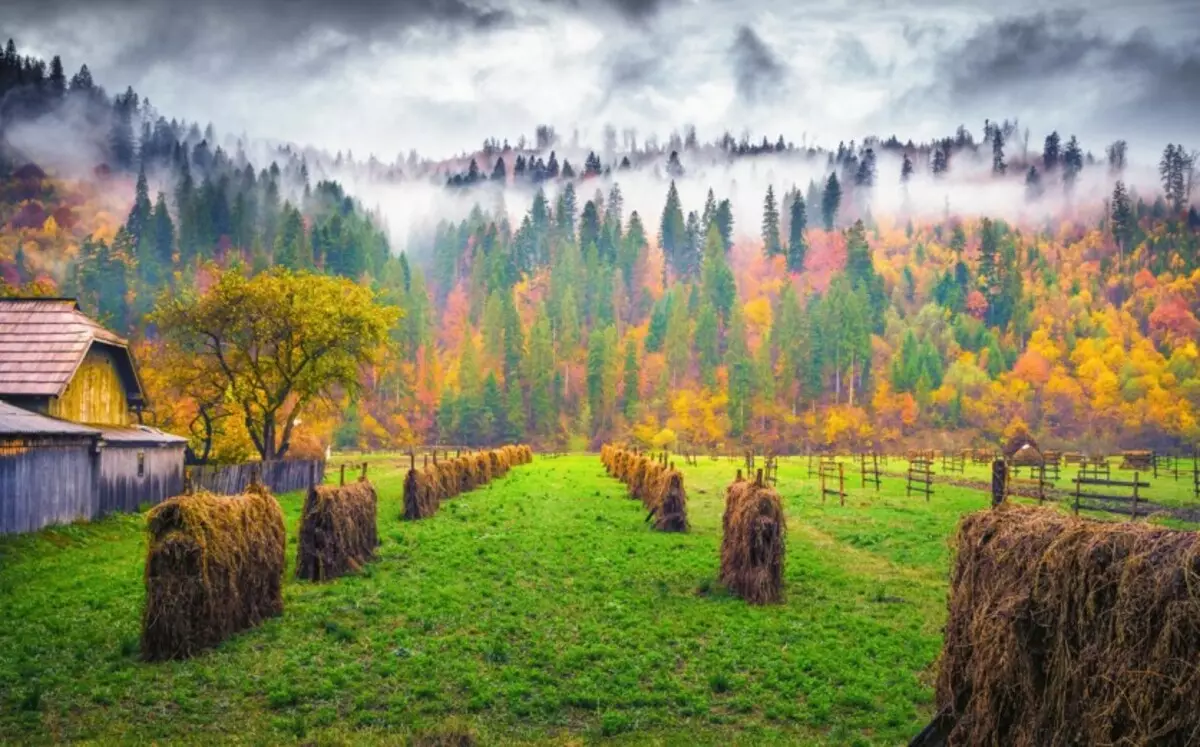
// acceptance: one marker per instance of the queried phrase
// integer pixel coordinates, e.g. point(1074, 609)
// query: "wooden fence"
point(1095, 469)
point(1052, 462)
point(868, 467)
point(281, 477)
point(953, 463)
point(831, 474)
point(1112, 502)
point(1035, 483)
point(920, 477)
point(1196, 475)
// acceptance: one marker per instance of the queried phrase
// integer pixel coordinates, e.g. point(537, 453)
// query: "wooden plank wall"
point(281, 476)
point(120, 487)
point(47, 484)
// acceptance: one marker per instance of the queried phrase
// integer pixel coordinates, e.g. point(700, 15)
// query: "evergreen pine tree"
point(631, 381)
point(830, 201)
point(138, 223)
point(673, 232)
point(906, 169)
point(707, 341)
point(717, 281)
point(998, 165)
point(797, 243)
point(1033, 184)
point(1050, 152)
point(772, 242)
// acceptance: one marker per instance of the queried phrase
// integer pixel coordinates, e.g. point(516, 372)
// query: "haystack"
point(648, 489)
point(337, 530)
point(499, 466)
point(1064, 631)
point(214, 567)
point(483, 468)
point(1020, 440)
point(670, 507)
point(468, 477)
point(752, 546)
point(420, 500)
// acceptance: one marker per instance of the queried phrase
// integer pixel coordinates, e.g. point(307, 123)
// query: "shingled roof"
point(42, 343)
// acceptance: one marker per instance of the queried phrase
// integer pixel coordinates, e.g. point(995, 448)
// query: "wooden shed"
point(71, 444)
point(56, 360)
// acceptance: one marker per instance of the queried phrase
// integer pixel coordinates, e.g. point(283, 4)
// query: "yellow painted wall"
point(95, 395)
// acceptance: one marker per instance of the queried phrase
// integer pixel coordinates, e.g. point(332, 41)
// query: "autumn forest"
point(553, 302)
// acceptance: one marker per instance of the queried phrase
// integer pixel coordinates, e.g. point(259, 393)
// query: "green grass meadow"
point(540, 609)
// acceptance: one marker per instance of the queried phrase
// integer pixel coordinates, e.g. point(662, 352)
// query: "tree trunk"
point(853, 362)
point(837, 378)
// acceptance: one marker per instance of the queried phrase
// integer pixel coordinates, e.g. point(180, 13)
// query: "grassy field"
point(540, 609)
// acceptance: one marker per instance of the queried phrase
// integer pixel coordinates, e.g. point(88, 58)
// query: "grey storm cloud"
point(852, 55)
point(440, 75)
point(291, 35)
point(1102, 76)
point(755, 66)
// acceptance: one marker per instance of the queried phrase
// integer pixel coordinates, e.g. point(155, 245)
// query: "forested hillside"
point(835, 319)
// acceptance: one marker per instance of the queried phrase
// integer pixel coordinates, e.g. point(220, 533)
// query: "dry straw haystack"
point(214, 567)
point(752, 544)
point(426, 488)
point(337, 530)
point(420, 501)
point(1064, 631)
point(651, 481)
point(670, 515)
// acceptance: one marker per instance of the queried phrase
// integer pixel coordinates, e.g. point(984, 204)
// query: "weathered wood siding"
point(95, 394)
point(121, 489)
point(47, 483)
point(281, 477)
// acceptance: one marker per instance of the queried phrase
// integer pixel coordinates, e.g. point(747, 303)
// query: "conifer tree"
point(830, 201)
point(672, 235)
point(772, 242)
point(631, 381)
point(797, 243)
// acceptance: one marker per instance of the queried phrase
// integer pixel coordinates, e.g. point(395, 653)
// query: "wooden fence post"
point(363, 477)
point(342, 480)
point(1133, 510)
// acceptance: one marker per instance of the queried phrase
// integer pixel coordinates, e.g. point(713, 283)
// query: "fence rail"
point(281, 477)
point(868, 466)
point(1112, 502)
point(831, 474)
point(953, 463)
point(920, 478)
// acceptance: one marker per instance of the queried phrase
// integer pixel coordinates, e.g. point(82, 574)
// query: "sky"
point(440, 76)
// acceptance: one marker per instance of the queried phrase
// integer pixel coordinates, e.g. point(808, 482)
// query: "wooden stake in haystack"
point(753, 541)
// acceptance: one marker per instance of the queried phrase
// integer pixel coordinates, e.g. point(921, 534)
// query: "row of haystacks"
point(1065, 631)
point(426, 488)
point(214, 567)
point(654, 482)
point(753, 536)
point(338, 533)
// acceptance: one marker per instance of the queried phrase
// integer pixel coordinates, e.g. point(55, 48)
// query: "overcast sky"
point(441, 75)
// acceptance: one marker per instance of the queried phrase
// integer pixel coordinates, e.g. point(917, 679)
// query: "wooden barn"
point(71, 444)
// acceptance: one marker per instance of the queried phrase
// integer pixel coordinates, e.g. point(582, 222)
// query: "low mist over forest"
point(661, 222)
